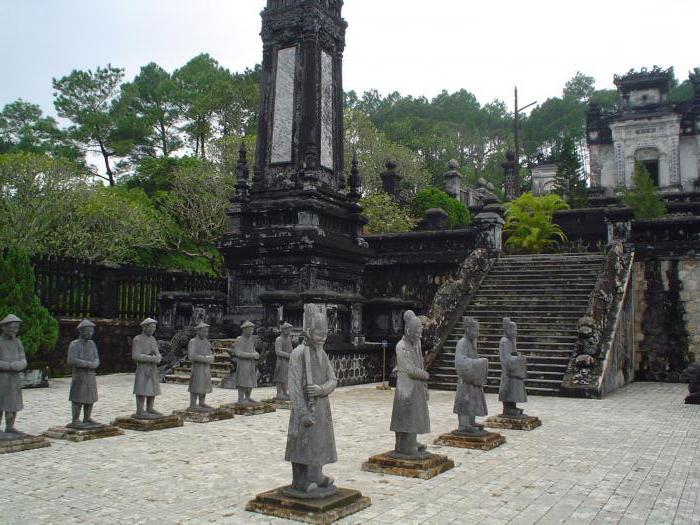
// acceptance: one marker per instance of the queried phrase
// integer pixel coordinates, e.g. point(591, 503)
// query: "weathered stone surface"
point(204, 416)
point(10, 443)
point(249, 410)
point(147, 425)
point(316, 511)
point(85, 434)
point(528, 423)
point(459, 440)
point(427, 468)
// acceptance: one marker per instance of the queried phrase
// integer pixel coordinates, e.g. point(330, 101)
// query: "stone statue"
point(12, 362)
point(83, 357)
point(410, 412)
point(310, 439)
point(513, 373)
point(472, 372)
point(246, 367)
point(201, 356)
point(283, 350)
point(146, 383)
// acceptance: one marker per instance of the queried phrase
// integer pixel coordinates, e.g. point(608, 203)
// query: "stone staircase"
point(546, 295)
point(219, 370)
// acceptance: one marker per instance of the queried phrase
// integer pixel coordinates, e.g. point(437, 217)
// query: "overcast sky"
point(411, 46)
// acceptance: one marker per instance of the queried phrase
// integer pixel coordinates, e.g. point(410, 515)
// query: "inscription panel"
point(326, 110)
point(283, 116)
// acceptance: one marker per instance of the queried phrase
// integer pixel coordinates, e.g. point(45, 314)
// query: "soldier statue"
point(471, 372)
point(310, 438)
point(513, 373)
point(147, 381)
point(410, 415)
point(84, 359)
point(283, 351)
point(12, 362)
point(201, 356)
point(246, 367)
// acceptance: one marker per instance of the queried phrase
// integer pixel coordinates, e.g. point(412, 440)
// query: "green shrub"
point(384, 215)
point(644, 198)
point(458, 214)
point(17, 296)
point(529, 223)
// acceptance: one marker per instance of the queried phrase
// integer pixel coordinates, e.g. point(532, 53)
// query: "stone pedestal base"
point(204, 416)
point(411, 468)
point(147, 425)
point(19, 442)
point(249, 410)
point(316, 511)
point(83, 434)
point(456, 439)
point(279, 404)
point(527, 423)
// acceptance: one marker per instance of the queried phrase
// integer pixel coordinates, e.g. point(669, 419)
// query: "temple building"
point(646, 128)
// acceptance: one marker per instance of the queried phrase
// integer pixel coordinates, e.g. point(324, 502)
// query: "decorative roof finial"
point(355, 180)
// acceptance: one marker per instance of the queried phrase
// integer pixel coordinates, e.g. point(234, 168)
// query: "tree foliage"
point(644, 198)
point(18, 296)
point(570, 180)
point(384, 215)
point(529, 223)
point(458, 214)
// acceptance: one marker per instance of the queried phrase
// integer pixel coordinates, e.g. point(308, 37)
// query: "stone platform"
point(280, 404)
point(459, 440)
point(249, 410)
point(426, 468)
point(18, 442)
point(204, 416)
point(528, 423)
point(148, 425)
point(320, 511)
point(83, 434)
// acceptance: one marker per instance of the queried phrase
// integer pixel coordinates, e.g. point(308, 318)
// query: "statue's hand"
point(314, 390)
point(308, 420)
point(257, 355)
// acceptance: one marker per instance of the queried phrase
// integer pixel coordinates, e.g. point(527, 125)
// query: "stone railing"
point(604, 356)
point(451, 299)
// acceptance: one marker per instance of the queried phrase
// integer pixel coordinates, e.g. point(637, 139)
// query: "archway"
point(649, 158)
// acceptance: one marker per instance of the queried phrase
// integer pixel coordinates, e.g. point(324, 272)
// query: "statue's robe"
point(246, 367)
point(283, 349)
point(83, 357)
point(513, 373)
point(200, 354)
point(472, 372)
point(147, 356)
point(410, 411)
point(313, 445)
point(11, 353)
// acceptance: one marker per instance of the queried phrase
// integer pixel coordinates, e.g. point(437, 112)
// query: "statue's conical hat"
point(11, 318)
point(84, 323)
point(148, 320)
point(247, 324)
point(201, 324)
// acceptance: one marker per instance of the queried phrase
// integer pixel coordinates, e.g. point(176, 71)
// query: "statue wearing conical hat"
point(145, 353)
point(310, 437)
point(201, 356)
point(246, 364)
point(12, 362)
point(84, 359)
point(283, 351)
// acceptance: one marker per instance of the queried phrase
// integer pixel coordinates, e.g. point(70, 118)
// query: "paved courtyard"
point(631, 458)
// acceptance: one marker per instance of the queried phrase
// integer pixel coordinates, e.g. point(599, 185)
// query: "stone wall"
point(689, 276)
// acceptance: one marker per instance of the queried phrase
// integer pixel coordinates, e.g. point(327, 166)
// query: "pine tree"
point(570, 182)
point(644, 198)
point(17, 296)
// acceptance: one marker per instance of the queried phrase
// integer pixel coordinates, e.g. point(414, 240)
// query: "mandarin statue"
point(513, 373)
point(283, 351)
point(246, 357)
point(201, 356)
point(84, 359)
point(147, 381)
point(410, 415)
point(471, 371)
point(12, 362)
point(310, 438)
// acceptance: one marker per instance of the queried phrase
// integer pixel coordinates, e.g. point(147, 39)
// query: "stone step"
point(495, 337)
point(531, 390)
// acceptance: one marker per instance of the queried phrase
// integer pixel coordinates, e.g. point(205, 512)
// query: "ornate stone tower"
point(295, 241)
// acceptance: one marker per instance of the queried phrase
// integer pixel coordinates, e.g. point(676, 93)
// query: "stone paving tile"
point(631, 458)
